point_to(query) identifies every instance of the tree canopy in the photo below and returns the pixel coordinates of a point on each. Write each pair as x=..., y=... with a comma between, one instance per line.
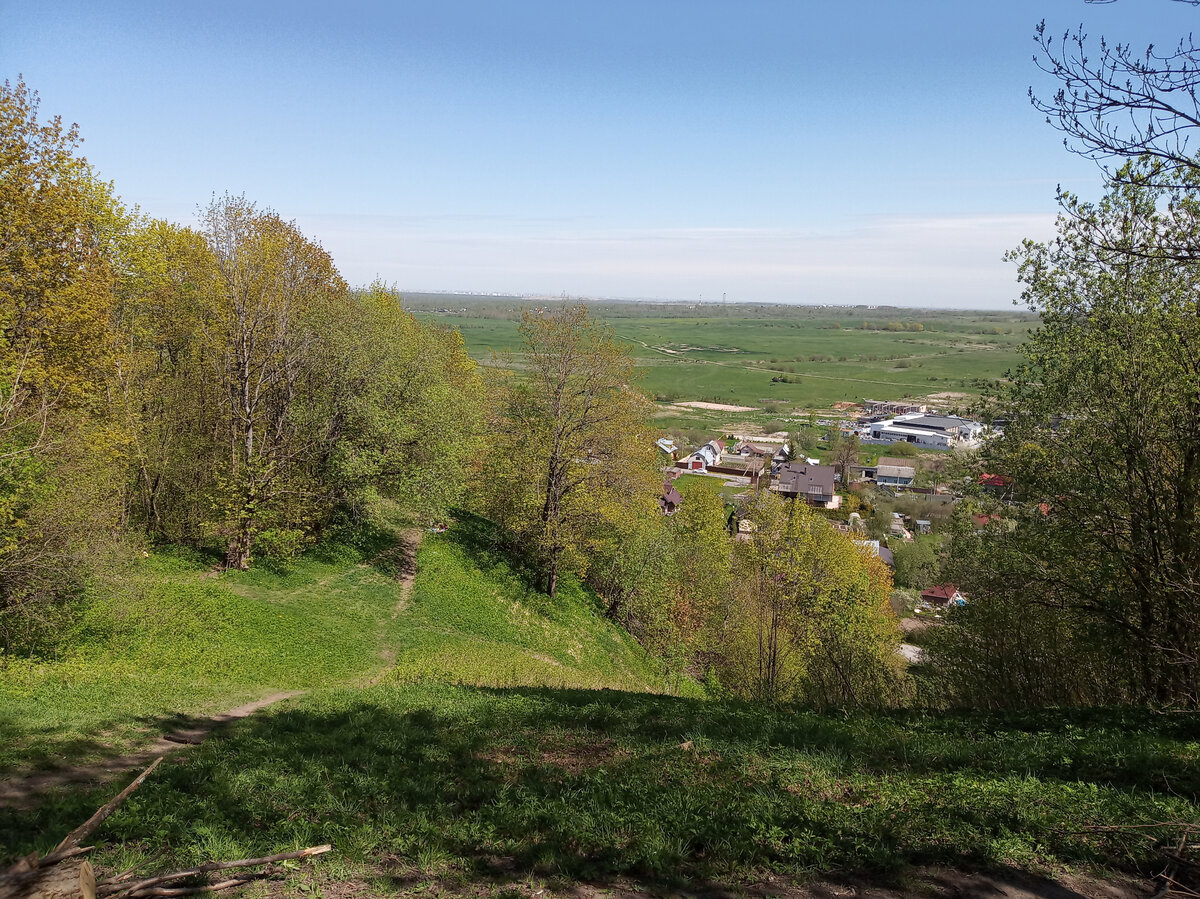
x=809, y=617
x=220, y=387
x=571, y=454
x=1104, y=447
x=1117, y=103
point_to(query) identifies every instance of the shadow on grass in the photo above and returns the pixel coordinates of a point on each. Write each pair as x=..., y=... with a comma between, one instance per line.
x=597, y=785
x=492, y=549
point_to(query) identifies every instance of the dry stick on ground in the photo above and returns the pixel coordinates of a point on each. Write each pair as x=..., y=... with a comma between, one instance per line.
x=84, y=830
x=144, y=887
x=1168, y=884
x=46, y=878
x=1174, y=860
x=203, y=888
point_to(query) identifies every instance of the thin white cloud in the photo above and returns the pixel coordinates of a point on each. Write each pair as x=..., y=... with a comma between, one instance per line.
x=948, y=261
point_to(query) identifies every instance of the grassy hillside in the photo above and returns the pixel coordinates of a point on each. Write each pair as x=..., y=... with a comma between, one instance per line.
x=433, y=786
x=169, y=637
x=175, y=638
x=475, y=618
x=445, y=744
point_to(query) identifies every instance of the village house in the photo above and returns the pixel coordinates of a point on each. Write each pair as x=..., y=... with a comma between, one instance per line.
x=996, y=484
x=812, y=483
x=670, y=500
x=748, y=450
x=891, y=472
x=878, y=549
x=775, y=454
x=708, y=455
x=943, y=595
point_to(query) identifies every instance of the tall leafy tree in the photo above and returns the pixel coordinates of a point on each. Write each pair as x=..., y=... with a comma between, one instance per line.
x=810, y=618
x=59, y=248
x=570, y=455
x=404, y=409
x=1105, y=451
x=165, y=386
x=667, y=579
x=844, y=455
x=270, y=287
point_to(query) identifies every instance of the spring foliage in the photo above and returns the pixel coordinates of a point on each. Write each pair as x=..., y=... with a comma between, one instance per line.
x=1100, y=580
x=810, y=618
x=219, y=386
x=570, y=463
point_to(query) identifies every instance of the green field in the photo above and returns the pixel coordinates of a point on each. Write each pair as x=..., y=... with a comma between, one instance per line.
x=780, y=359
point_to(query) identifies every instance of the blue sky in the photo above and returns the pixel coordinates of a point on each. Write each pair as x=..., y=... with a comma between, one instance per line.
x=869, y=152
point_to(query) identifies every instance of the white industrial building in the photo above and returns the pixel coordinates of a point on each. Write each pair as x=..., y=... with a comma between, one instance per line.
x=936, y=431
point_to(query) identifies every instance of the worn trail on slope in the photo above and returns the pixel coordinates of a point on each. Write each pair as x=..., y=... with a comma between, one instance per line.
x=25, y=791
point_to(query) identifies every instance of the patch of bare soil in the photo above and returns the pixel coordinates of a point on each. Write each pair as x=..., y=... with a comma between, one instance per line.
x=25, y=791
x=400, y=561
x=573, y=755
x=576, y=755
x=916, y=625
x=717, y=407
x=502, y=879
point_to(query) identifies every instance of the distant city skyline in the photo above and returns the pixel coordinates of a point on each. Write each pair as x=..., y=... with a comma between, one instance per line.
x=773, y=151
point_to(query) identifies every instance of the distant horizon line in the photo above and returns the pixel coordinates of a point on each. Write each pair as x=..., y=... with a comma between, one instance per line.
x=675, y=301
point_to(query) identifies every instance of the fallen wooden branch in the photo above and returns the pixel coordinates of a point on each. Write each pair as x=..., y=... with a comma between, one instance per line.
x=1168, y=878
x=1177, y=862
x=72, y=840
x=202, y=888
x=63, y=874
x=143, y=887
x=185, y=739
x=1181, y=860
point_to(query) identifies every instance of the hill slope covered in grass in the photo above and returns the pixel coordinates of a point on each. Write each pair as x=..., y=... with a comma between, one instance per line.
x=174, y=638
x=475, y=618
x=168, y=637
x=482, y=789
x=476, y=763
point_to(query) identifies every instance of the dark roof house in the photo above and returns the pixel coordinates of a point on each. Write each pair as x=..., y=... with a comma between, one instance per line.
x=670, y=500
x=813, y=483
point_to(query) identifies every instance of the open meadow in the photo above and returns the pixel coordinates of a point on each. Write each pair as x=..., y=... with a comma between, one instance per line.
x=776, y=360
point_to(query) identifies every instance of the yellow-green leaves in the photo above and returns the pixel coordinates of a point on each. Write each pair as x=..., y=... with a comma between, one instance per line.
x=570, y=462
x=809, y=618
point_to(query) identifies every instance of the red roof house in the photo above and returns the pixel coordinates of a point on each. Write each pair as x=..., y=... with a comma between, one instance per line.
x=943, y=595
